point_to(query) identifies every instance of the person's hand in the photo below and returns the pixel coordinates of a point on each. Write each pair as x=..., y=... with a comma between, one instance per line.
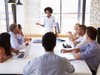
x=74, y=51
x=37, y=23
x=30, y=39
x=27, y=44
x=9, y=56
x=15, y=51
x=63, y=51
x=77, y=55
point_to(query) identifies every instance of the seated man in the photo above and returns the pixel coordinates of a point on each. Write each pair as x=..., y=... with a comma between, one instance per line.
x=81, y=31
x=14, y=30
x=49, y=63
x=91, y=52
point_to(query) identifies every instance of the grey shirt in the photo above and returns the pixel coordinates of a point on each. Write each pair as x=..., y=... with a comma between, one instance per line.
x=48, y=64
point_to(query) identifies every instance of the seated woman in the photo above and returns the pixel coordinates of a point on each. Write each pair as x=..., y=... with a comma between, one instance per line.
x=5, y=47
x=21, y=38
x=74, y=36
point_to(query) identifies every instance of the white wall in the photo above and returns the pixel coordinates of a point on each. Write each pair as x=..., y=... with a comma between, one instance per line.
x=95, y=13
x=28, y=14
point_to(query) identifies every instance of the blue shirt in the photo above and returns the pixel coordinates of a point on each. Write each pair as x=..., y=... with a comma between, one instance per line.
x=14, y=42
x=20, y=39
x=48, y=64
x=91, y=54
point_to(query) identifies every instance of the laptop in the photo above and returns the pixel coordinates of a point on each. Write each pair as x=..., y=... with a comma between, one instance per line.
x=23, y=54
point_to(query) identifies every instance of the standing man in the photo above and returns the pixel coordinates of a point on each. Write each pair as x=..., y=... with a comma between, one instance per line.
x=49, y=21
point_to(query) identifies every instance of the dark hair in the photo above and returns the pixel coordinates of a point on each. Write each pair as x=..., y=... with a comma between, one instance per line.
x=12, y=27
x=49, y=41
x=19, y=26
x=5, y=42
x=83, y=27
x=48, y=9
x=92, y=32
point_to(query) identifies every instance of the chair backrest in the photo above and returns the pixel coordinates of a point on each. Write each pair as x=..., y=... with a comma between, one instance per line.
x=98, y=37
x=98, y=70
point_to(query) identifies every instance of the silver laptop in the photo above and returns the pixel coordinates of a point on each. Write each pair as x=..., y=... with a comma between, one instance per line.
x=23, y=54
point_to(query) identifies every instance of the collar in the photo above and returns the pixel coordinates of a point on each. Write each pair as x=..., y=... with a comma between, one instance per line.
x=92, y=43
x=49, y=52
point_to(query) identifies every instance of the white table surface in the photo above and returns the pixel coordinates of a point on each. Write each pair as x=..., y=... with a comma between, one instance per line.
x=15, y=66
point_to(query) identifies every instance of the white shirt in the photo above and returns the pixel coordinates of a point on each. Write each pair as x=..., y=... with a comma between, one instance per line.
x=49, y=23
x=80, y=39
x=48, y=64
x=14, y=42
x=82, y=42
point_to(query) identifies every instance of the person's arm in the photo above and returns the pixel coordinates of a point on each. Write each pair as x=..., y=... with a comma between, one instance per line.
x=14, y=51
x=22, y=46
x=40, y=24
x=15, y=45
x=2, y=56
x=30, y=67
x=87, y=53
x=69, y=67
x=75, y=43
x=72, y=50
x=77, y=55
x=82, y=43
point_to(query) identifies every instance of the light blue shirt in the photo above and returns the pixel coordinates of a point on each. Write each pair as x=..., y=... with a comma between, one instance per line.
x=48, y=64
x=14, y=42
x=91, y=54
x=20, y=39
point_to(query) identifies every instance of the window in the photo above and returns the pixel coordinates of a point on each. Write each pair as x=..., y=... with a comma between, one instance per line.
x=5, y=16
x=2, y=16
x=66, y=13
x=69, y=15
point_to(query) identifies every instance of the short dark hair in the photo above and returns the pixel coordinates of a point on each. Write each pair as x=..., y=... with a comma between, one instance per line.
x=5, y=42
x=92, y=32
x=83, y=27
x=12, y=27
x=48, y=9
x=49, y=41
x=19, y=26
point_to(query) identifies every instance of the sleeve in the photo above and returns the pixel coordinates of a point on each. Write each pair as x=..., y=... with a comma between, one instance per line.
x=30, y=68
x=69, y=67
x=82, y=43
x=79, y=39
x=13, y=42
x=21, y=46
x=88, y=53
